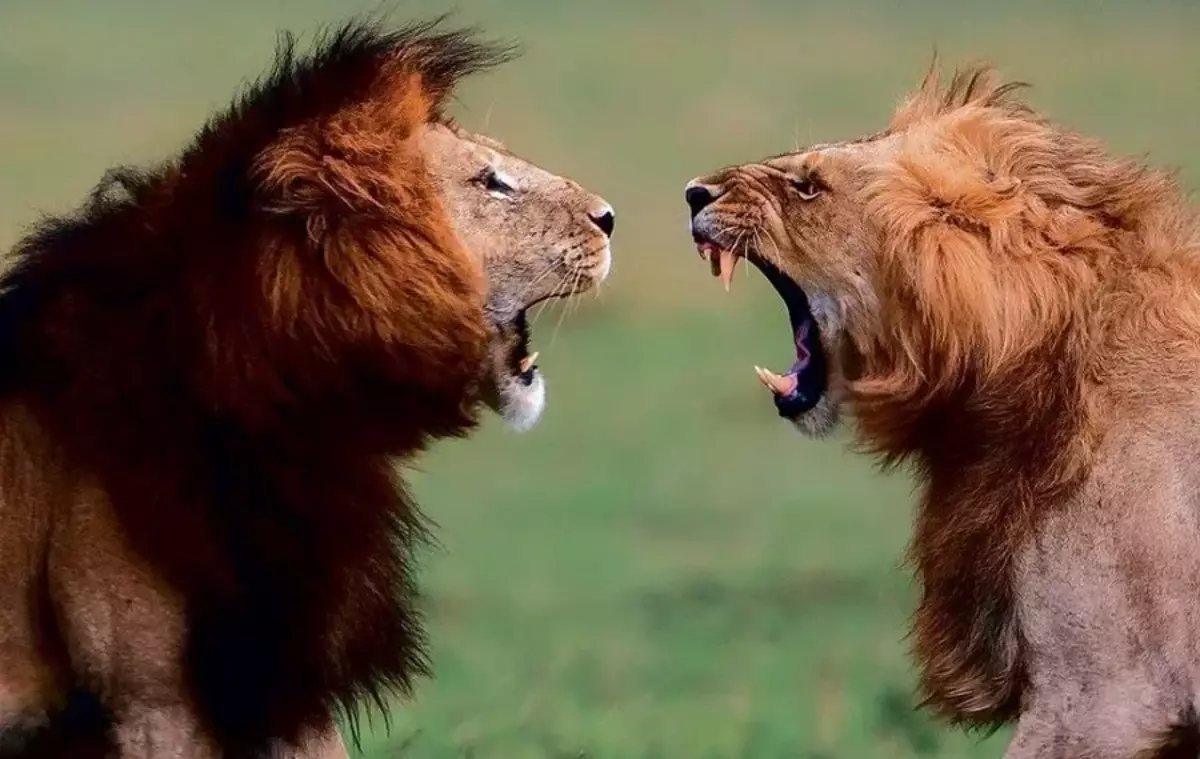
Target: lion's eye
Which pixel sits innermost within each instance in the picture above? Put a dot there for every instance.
(492, 182)
(806, 188)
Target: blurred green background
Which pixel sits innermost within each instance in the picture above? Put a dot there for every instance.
(662, 569)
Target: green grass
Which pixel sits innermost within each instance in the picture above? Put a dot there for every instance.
(662, 569)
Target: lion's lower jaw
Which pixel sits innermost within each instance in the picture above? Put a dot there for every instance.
(521, 405)
(821, 420)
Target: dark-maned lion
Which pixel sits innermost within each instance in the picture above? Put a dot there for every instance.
(206, 376)
(1016, 312)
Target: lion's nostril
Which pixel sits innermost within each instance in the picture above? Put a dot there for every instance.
(699, 197)
(606, 222)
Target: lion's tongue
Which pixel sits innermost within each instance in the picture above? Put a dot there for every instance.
(786, 386)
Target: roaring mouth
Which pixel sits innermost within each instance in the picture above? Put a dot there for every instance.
(517, 387)
(522, 363)
(800, 388)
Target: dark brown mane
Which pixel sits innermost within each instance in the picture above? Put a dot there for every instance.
(235, 344)
(1016, 256)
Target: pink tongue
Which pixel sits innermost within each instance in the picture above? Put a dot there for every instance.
(793, 381)
(803, 355)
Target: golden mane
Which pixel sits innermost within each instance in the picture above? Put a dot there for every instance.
(978, 85)
(232, 347)
(1016, 258)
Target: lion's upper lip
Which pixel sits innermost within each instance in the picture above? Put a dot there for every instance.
(702, 236)
(722, 259)
(507, 312)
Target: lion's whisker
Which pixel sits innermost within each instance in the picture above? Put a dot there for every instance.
(563, 313)
(487, 117)
(550, 267)
(537, 314)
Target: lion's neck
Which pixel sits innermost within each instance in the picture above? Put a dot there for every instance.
(991, 457)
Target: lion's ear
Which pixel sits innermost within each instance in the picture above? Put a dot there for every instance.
(357, 160)
(300, 174)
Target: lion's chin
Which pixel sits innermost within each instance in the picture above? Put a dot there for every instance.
(819, 421)
(515, 387)
(520, 400)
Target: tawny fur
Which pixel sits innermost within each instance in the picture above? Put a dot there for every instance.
(208, 372)
(1019, 318)
(1019, 267)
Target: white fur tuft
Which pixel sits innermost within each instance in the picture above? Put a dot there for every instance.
(521, 405)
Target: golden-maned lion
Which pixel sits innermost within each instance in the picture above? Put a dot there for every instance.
(206, 376)
(1016, 312)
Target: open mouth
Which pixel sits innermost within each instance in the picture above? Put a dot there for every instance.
(801, 387)
(514, 356)
(521, 362)
(517, 390)
(514, 386)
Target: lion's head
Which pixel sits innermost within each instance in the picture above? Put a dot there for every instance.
(538, 235)
(925, 258)
(801, 219)
(392, 243)
(782, 216)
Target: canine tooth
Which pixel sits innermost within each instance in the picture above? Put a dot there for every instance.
(763, 378)
(728, 265)
(527, 362)
(773, 381)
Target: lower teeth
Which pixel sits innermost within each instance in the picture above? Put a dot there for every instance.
(782, 386)
(527, 362)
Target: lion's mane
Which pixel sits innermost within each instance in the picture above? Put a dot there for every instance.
(1017, 259)
(236, 345)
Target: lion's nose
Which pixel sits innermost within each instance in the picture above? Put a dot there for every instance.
(699, 197)
(605, 220)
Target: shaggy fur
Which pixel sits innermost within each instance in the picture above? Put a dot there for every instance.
(1018, 318)
(207, 371)
(1018, 261)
